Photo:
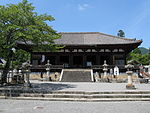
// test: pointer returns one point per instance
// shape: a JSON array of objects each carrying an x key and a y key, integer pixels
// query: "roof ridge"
[
  {"x": 79, "y": 32},
  {"x": 118, "y": 37}
]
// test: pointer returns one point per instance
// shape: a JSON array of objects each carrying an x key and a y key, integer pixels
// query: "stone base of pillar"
[{"x": 130, "y": 86}]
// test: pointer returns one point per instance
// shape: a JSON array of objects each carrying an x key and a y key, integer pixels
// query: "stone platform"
[{"x": 77, "y": 91}]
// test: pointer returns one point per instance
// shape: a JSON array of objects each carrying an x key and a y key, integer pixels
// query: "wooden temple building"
[{"x": 84, "y": 49}]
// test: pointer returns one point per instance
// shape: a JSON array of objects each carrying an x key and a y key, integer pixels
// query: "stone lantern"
[
  {"x": 105, "y": 68},
  {"x": 48, "y": 66},
  {"x": 129, "y": 72},
  {"x": 26, "y": 67}
]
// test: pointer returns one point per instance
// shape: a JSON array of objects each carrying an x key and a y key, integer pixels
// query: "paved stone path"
[
  {"x": 88, "y": 86},
  {"x": 30, "y": 106},
  {"x": 82, "y": 86}
]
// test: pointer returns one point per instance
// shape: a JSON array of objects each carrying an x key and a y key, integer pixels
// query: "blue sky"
[{"x": 106, "y": 16}]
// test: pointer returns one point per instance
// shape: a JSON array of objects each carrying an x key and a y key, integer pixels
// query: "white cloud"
[{"x": 82, "y": 7}]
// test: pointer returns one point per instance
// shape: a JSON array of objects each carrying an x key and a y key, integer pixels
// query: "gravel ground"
[
  {"x": 37, "y": 106},
  {"x": 30, "y": 106},
  {"x": 80, "y": 86},
  {"x": 88, "y": 86}
]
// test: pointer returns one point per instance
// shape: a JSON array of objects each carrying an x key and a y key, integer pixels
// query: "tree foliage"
[
  {"x": 136, "y": 51},
  {"x": 121, "y": 33},
  {"x": 20, "y": 57},
  {"x": 136, "y": 55},
  {"x": 19, "y": 23}
]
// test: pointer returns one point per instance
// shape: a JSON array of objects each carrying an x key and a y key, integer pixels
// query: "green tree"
[
  {"x": 20, "y": 57},
  {"x": 136, "y": 51},
  {"x": 138, "y": 57},
  {"x": 19, "y": 23},
  {"x": 121, "y": 33}
]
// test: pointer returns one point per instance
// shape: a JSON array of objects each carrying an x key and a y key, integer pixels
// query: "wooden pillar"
[
  {"x": 84, "y": 60},
  {"x": 111, "y": 57},
  {"x": 57, "y": 60},
  {"x": 70, "y": 60},
  {"x": 125, "y": 60},
  {"x": 98, "y": 59}
]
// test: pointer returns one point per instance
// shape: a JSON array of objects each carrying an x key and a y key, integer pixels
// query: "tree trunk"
[{"x": 6, "y": 67}]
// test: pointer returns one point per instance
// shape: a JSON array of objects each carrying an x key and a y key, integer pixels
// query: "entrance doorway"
[
  {"x": 78, "y": 61},
  {"x": 103, "y": 58},
  {"x": 52, "y": 59},
  {"x": 64, "y": 60},
  {"x": 91, "y": 59}
]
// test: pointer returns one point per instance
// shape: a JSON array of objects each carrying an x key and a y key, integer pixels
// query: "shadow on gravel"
[
  {"x": 37, "y": 88},
  {"x": 51, "y": 86}
]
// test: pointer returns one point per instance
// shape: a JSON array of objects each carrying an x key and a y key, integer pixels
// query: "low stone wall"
[
  {"x": 54, "y": 76},
  {"x": 121, "y": 78}
]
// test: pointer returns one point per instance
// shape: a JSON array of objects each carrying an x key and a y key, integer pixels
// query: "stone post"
[
  {"x": 111, "y": 73},
  {"x": 26, "y": 66},
  {"x": 129, "y": 72},
  {"x": 48, "y": 69},
  {"x": 28, "y": 78},
  {"x": 116, "y": 71},
  {"x": 97, "y": 77},
  {"x": 10, "y": 76}
]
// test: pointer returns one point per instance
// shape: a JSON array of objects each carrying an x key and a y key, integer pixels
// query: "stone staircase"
[
  {"x": 81, "y": 96},
  {"x": 77, "y": 75}
]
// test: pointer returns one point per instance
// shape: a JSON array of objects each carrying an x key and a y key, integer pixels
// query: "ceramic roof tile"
[{"x": 92, "y": 38}]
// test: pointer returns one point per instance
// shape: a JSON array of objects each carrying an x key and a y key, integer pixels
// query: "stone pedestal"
[
  {"x": 48, "y": 73},
  {"x": 130, "y": 83},
  {"x": 48, "y": 69},
  {"x": 26, "y": 70},
  {"x": 97, "y": 77},
  {"x": 105, "y": 72},
  {"x": 105, "y": 69},
  {"x": 28, "y": 84}
]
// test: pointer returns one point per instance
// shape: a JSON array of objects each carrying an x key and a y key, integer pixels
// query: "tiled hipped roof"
[{"x": 92, "y": 38}]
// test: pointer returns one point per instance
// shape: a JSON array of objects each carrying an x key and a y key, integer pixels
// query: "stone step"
[
  {"x": 78, "y": 95},
  {"x": 87, "y": 96},
  {"x": 76, "y": 75},
  {"x": 79, "y": 99},
  {"x": 103, "y": 92},
  {"x": 81, "y": 96},
  {"x": 2, "y": 91},
  {"x": 77, "y": 70}
]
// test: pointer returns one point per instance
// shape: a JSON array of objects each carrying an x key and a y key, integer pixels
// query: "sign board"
[{"x": 116, "y": 70}]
